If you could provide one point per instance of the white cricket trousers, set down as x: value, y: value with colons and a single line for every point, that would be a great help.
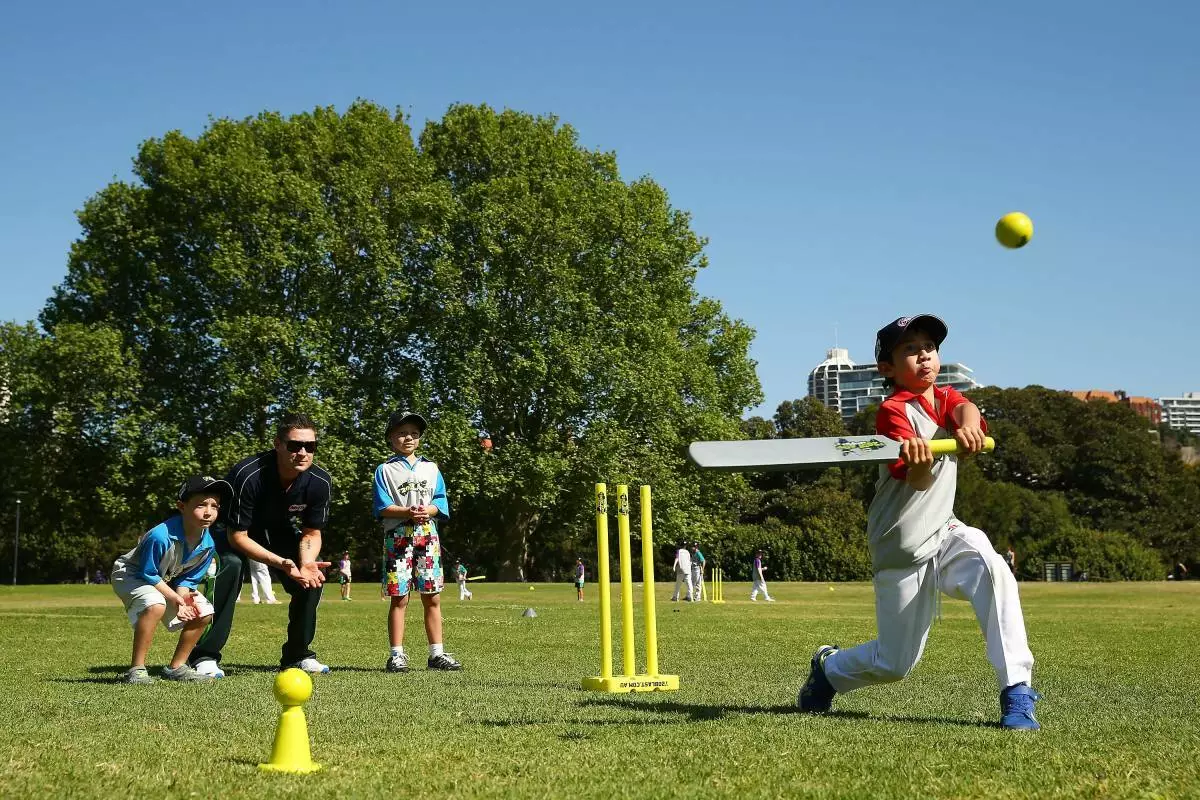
x: 260, y: 582
x: 966, y: 567
x: 463, y: 592
x: 759, y: 585
x: 697, y: 582
x: 683, y: 578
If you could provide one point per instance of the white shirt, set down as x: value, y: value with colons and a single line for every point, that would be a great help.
x: 683, y: 559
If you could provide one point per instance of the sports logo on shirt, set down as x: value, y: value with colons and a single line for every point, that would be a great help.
x: 421, y: 487
x: 297, y: 508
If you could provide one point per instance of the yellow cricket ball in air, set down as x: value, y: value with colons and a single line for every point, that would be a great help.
x: 1014, y: 230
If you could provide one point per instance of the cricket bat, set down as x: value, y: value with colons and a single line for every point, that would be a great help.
x: 773, y: 455
x: 477, y: 578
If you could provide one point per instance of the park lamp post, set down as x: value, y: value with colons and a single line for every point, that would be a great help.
x: 16, y: 540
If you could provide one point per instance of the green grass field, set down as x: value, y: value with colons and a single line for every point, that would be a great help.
x: 1118, y: 665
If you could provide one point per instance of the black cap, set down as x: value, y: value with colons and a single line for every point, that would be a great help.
x: 400, y: 417
x: 889, y: 334
x: 204, y: 484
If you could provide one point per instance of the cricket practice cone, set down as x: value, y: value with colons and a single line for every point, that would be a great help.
x: 1014, y: 230
x: 290, y: 752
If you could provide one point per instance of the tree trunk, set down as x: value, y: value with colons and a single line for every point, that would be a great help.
x: 514, y: 545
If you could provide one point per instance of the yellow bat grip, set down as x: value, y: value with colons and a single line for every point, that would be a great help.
x: 941, y: 447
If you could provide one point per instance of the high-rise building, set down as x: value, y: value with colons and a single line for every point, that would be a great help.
x: 1182, y: 413
x: 847, y: 388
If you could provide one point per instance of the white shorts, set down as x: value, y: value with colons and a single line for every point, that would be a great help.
x: 138, y: 596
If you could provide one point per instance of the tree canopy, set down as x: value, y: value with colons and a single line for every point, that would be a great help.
x: 493, y: 274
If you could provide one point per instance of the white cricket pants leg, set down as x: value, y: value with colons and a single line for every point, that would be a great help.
x: 967, y: 568
x: 759, y: 586
x: 697, y: 582
x: 463, y: 591
x: 683, y: 579
x: 260, y: 581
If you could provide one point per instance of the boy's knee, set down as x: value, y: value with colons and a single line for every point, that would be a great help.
x: 199, y: 622
x: 154, y: 611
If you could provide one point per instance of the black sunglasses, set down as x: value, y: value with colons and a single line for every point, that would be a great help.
x: 295, y: 446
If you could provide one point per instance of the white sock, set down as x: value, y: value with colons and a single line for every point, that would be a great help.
x: 435, y: 650
x: 398, y: 651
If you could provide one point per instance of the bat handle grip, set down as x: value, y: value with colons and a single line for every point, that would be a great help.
x: 942, y: 447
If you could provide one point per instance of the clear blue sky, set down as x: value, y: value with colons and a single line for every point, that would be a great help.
x: 846, y: 161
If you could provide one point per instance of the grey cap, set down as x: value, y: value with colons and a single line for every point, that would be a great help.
x: 398, y: 418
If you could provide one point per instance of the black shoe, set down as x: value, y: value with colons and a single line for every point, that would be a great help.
x: 397, y: 663
x: 444, y: 662
x: 816, y: 695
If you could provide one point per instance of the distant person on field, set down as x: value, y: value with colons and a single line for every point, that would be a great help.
x: 579, y: 576
x: 157, y: 580
x: 697, y: 571
x: 1181, y: 572
x: 918, y: 547
x: 758, y: 576
x: 460, y: 572
x: 261, y: 590
x: 1010, y: 558
x: 410, y: 496
x: 344, y: 577
x: 683, y: 573
x: 260, y: 584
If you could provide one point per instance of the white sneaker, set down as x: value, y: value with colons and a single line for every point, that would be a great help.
x: 209, y: 668
x: 311, y: 666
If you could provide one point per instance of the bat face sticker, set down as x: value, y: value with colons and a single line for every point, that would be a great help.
x: 849, y: 448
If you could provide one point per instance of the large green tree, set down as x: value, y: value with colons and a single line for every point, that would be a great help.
x: 497, y: 275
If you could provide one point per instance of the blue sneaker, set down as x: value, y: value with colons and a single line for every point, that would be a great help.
x: 816, y: 695
x: 1016, y: 708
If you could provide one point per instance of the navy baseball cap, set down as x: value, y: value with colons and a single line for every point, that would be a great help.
x: 889, y: 334
x: 400, y: 417
x: 204, y: 484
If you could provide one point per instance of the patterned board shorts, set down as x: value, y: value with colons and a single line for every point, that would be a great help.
x: 412, y: 558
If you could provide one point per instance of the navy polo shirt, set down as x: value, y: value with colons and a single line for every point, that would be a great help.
x: 272, y: 515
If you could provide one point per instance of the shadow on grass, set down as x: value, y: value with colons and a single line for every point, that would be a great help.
x: 699, y: 712
x: 695, y: 712
x: 532, y: 723
x: 277, y: 668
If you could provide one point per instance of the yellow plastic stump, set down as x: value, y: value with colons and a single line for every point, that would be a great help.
x: 650, y: 681
x: 290, y: 753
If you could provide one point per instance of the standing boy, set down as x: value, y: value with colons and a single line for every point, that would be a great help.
x: 460, y: 571
x: 758, y: 575
x: 157, y: 579
x: 918, y: 547
x: 409, y: 497
x: 697, y: 573
x: 344, y: 577
x: 683, y: 572
x: 579, y: 575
